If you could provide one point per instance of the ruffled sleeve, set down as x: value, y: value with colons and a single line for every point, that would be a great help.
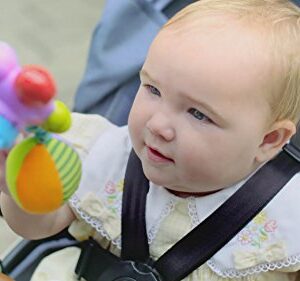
x: 85, y: 130
x: 97, y: 202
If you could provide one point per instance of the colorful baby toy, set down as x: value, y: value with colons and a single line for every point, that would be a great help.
x: 42, y: 171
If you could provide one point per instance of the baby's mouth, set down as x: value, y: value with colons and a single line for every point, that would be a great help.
x: 154, y: 154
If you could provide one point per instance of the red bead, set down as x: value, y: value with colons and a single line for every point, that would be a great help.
x: 35, y: 86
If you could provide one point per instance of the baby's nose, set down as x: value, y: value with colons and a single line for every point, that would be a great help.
x: 161, y: 125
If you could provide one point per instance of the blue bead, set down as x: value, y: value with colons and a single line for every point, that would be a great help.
x: 8, y: 133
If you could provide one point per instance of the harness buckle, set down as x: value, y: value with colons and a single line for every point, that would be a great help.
x: 130, y: 271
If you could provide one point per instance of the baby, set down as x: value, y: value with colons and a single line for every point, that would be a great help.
x: 219, y: 97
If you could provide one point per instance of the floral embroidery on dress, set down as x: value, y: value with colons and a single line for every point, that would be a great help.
x: 260, y: 246
x: 113, y: 195
x: 258, y: 231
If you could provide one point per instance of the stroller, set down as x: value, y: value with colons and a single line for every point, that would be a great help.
x: 23, y: 259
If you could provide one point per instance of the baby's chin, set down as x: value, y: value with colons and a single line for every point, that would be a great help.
x: 175, y: 188
x: 184, y: 194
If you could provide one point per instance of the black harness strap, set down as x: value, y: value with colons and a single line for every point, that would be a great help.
x: 203, y: 241
x: 136, y: 186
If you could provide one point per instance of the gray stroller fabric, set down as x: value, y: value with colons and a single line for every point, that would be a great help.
x: 118, y: 48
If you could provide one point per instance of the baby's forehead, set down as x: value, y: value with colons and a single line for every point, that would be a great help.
x: 227, y: 56
x: 225, y: 34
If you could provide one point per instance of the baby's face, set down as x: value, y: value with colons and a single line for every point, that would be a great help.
x: 201, y: 112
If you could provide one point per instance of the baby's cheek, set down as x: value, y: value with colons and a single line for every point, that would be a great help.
x: 135, y: 124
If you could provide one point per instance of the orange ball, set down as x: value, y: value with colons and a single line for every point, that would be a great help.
x: 42, y: 176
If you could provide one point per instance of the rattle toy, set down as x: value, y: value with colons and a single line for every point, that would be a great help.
x: 42, y: 171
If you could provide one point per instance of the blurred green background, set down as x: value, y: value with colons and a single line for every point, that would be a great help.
x: 55, y: 34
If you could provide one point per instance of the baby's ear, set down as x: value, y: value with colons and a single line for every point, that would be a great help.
x: 273, y: 141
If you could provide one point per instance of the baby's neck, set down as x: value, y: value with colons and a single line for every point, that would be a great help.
x: 189, y: 194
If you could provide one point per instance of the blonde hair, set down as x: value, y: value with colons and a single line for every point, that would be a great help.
x: 281, y: 21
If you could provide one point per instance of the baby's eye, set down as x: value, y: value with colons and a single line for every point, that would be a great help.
x: 198, y: 114
x: 153, y: 90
